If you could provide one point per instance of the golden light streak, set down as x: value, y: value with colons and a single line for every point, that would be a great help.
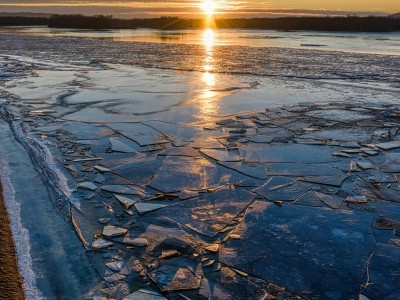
x: 208, y: 104
x: 208, y: 40
x: 209, y: 80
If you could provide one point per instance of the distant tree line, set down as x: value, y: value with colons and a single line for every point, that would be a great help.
x: 23, y: 21
x: 109, y: 22
x: 350, y: 23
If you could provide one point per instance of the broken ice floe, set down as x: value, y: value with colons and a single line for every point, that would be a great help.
x: 101, y: 243
x: 302, y: 228
x: 145, y: 294
x: 177, y: 206
x: 111, y: 231
x: 177, y: 275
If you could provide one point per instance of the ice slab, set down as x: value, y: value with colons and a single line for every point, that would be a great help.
x: 227, y: 284
x: 97, y: 115
x: 317, y: 199
x: 335, y: 180
x: 316, y: 247
x: 331, y: 200
x: 139, y: 173
x: 120, y: 189
x: 388, y: 192
x: 132, y: 238
x: 182, y: 132
x: 125, y: 201
x: 245, y: 169
x: 102, y: 169
x: 141, y: 133
x: 48, y: 128
x: 85, y: 228
x: 295, y: 169
x: 119, y: 146
x: 101, y: 244
x: 356, y: 199
x: 119, y: 291
x: 131, y: 266
x: 181, y: 151
x: 286, y: 153
x: 377, y: 176
x: 117, y: 160
x: 283, y: 189
x: 339, y: 115
x: 211, y: 212
x: 138, y: 242
x: 309, y: 199
x: 145, y: 294
x: 384, y: 274
x: 365, y: 165
x: 84, y: 131
x: 143, y: 208
x: 111, y: 231
x: 99, y: 179
x: 113, y: 278
x: 388, y: 145
x: 340, y: 134
x: 115, y: 180
x: 177, y: 275
x: 115, y: 265
x: 183, y: 173
x: 262, y: 139
x: 221, y: 155
x: 392, y: 163
x: 88, y: 186
x: 275, y: 132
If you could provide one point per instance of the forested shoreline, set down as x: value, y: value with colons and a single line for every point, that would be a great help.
x: 350, y: 23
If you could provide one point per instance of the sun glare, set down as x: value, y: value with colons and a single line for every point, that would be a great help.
x: 208, y: 7
x: 208, y: 39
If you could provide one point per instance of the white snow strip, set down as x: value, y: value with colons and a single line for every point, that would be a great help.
x: 20, y: 236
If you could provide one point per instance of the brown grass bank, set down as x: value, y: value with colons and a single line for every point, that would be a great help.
x: 10, y: 279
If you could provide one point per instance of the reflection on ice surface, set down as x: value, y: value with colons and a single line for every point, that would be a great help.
x: 128, y: 94
x: 199, y: 184
x: 373, y: 43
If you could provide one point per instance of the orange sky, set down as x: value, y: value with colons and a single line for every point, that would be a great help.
x: 235, y: 8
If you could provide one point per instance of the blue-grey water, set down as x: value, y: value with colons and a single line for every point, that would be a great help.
x: 354, y: 42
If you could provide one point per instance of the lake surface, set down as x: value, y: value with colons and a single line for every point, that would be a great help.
x: 354, y: 42
x: 137, y: 143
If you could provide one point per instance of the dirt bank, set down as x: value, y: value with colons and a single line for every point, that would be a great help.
x: 10, y: 280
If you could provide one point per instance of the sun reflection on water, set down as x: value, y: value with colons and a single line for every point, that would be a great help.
x: 209, y: 79
x: 208, y: 40
x: 209, y: 101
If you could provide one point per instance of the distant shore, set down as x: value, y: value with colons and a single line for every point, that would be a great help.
x: 10, y: 279
x: 320, y: 23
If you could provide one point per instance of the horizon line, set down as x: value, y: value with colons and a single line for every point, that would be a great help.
x: 272, y: 14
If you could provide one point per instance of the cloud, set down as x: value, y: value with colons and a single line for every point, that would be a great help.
x: 187, y: 8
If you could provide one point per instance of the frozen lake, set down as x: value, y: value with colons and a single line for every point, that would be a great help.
x: 159, y: 159
x: 354, y: 42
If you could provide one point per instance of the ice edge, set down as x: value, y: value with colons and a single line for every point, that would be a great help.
x: 20, y: 236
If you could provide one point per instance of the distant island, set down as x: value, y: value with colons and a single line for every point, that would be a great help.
x: 101, y: 22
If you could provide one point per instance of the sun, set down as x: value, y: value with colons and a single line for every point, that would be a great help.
x: 208, y: 6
